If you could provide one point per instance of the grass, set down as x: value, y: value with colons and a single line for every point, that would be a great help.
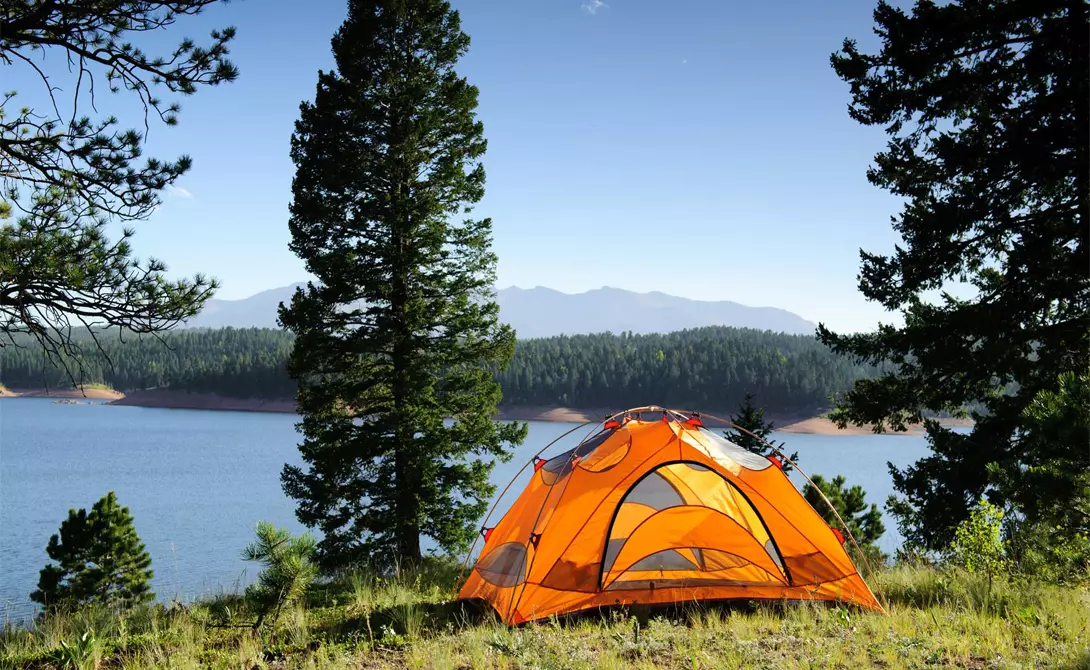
x: 937, y: 618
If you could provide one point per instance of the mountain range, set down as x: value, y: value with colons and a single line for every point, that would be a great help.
x: 543, y: 312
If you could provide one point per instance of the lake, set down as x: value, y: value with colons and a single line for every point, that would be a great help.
x: 196, y: 482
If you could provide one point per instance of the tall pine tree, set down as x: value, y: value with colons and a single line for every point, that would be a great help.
x: 400, y: 331
x: 984, y: 103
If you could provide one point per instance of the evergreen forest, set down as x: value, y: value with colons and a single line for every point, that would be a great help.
x: 705, y: 368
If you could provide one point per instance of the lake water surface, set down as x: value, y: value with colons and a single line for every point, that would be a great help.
x: 196, y: 482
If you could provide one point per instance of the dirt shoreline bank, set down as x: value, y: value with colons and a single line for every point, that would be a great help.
x: 63, y: 394
x: 819, y: 425
x: 170, y: 399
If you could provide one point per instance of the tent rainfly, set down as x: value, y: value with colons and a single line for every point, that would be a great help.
x: 659, y: 511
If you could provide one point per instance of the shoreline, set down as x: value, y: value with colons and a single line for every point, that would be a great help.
x: 171, y: 399
x: 820, y: 425
x: 63, y: 394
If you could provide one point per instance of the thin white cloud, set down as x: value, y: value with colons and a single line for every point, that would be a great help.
x: 178, y: 191
x: 592, y: 6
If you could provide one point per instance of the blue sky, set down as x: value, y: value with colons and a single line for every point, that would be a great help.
x: 699, y: 147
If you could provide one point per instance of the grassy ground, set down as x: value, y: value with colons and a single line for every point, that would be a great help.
x: 936, y: 619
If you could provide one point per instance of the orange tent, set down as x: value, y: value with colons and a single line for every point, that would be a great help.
x: 658, y: 511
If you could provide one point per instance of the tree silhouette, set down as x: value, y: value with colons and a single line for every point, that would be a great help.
x: 65, y: 175
x: 984, y: 106
x: 717, y: 365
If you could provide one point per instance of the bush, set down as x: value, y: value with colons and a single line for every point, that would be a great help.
x: 1048, y: 488
x: 978, y: 544
x: 1047, y: 552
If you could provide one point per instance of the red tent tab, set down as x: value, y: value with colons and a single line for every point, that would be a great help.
x: 777, y: 462
x: 487, y: 532
x: 694, y: 420
x: 611, y: 424
x: 538, y: 462
x: 839, y: 535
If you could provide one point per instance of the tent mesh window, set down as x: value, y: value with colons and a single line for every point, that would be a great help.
x: 504, y: 566
x: 557, y: 467
x: 728, y: 453
x: 668, y: 519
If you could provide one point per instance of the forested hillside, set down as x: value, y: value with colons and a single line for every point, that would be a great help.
x: 702, y: 368
x: 233, y: 362
x: 708, y: 368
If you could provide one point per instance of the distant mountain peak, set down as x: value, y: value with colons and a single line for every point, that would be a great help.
x: 542, y: 311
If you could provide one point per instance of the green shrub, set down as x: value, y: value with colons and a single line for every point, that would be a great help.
x: 1048, y: 487
x: 978, y: 544
x: 1049, y: 552
x: 83, y: 653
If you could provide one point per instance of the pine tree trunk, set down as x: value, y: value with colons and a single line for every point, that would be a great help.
x: 408, y: 540
x: 406, y: 471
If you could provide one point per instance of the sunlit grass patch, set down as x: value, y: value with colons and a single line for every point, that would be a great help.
x: 408, y: 619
